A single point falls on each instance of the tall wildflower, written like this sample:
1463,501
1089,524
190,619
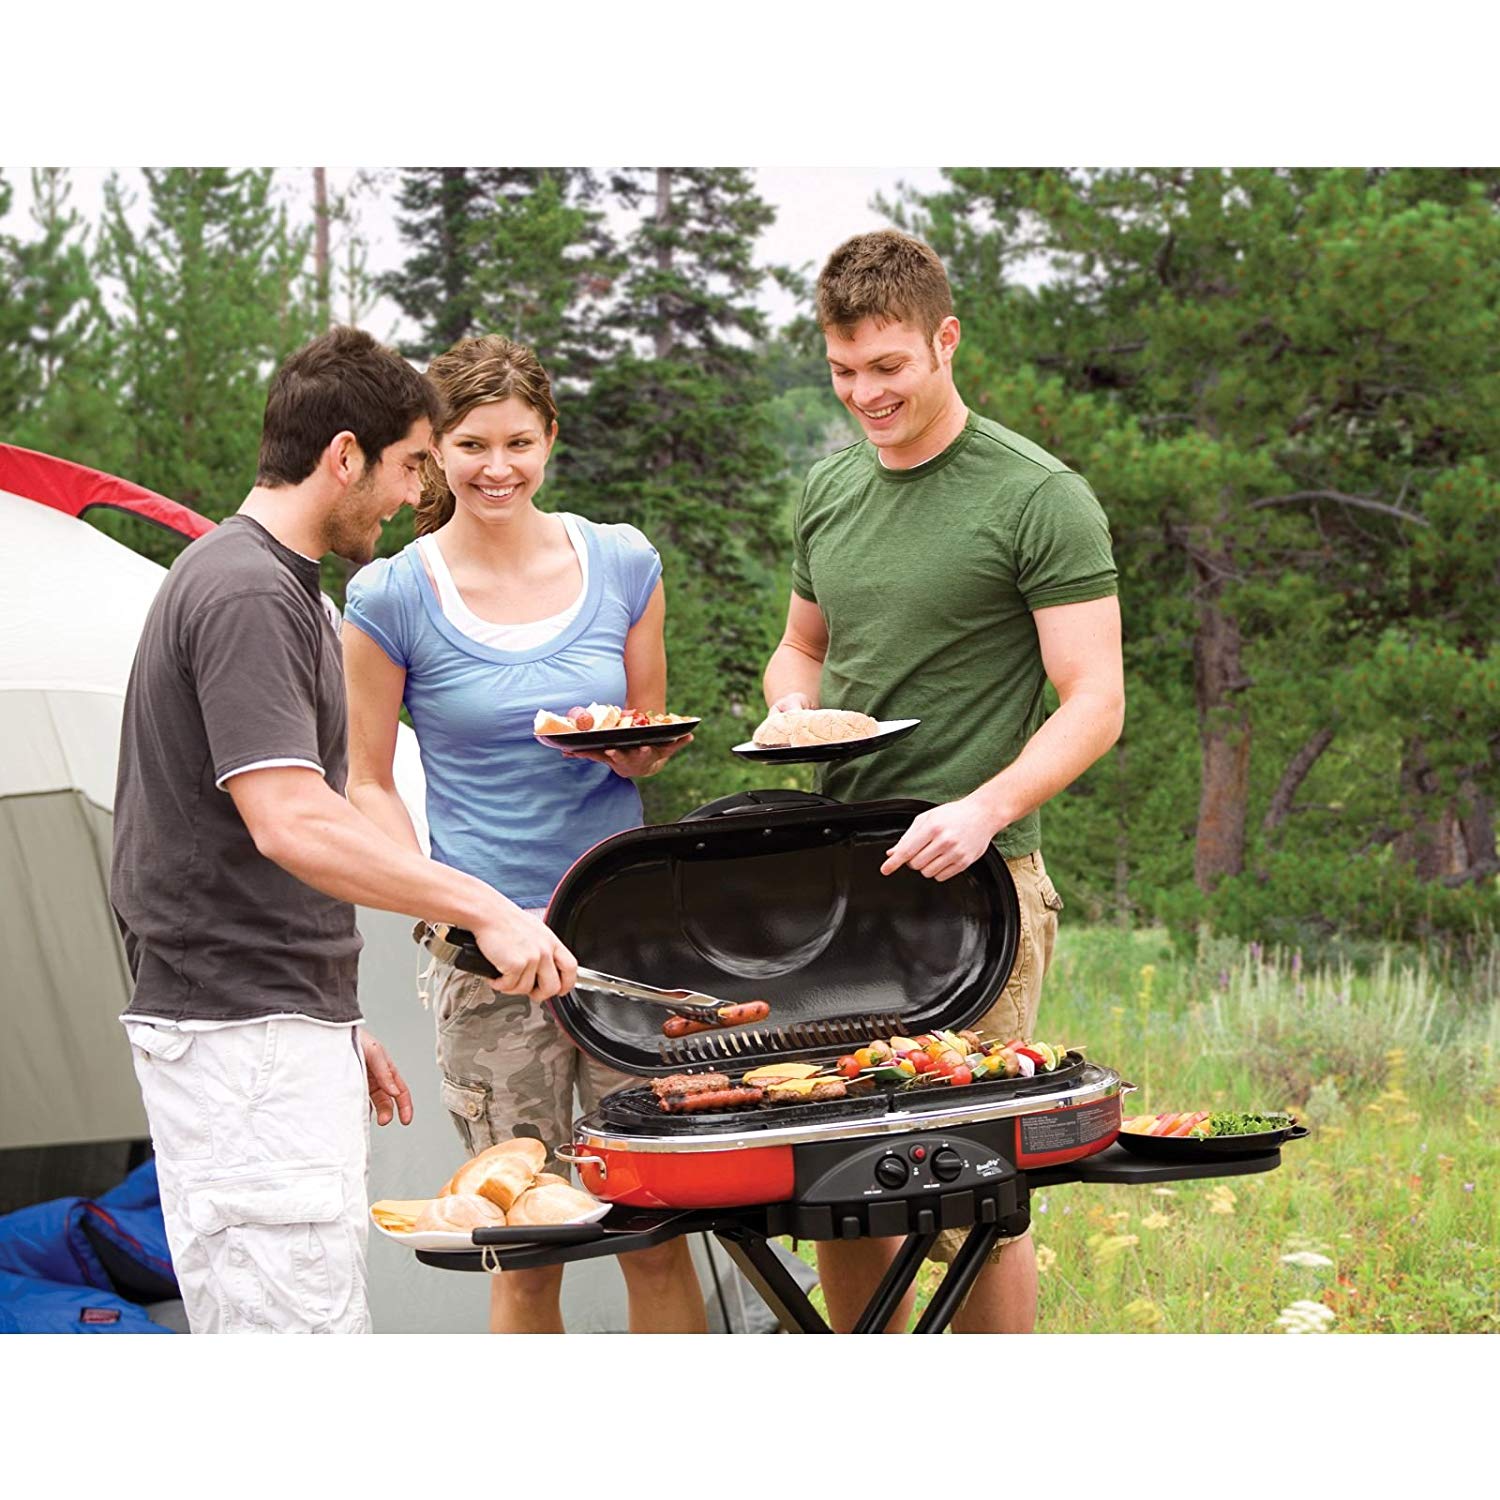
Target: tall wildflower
1306,1317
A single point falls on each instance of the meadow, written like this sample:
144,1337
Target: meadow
1383,1220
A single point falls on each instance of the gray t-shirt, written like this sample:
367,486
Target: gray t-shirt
238,665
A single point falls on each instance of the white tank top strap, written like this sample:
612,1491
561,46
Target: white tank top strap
523,637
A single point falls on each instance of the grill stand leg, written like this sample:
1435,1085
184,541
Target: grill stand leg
755,1258
961,1275
900,1275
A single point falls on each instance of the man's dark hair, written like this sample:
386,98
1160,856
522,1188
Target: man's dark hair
344,381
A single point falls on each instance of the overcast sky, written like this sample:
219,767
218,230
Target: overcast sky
816,207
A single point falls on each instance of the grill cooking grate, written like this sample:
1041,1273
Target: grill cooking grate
638,1109
740,1042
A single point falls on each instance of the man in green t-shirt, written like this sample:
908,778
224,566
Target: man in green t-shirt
945,569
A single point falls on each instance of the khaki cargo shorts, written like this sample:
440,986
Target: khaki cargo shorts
507,1067
1015,1010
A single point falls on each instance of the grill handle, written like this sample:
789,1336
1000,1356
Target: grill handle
567,1154
773,799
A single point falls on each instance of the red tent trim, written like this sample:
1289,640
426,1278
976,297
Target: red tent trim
73,489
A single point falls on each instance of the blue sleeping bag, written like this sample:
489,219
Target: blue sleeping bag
80,1266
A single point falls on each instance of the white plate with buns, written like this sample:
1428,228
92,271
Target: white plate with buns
501,1186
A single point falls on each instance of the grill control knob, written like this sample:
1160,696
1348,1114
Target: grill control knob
946,1164
891,1172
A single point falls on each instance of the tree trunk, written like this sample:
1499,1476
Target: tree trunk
322,272
1451,841
1479,830
1292,778
1431,840
453,322
664,261
1224,736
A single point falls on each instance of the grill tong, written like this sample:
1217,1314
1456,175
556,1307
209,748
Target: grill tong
457,947
692,1005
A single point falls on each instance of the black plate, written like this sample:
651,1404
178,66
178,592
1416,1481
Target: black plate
891,730
1182,1148
620,738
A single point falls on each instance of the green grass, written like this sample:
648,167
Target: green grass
1394,1067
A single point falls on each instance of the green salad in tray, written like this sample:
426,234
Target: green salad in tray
1200,1124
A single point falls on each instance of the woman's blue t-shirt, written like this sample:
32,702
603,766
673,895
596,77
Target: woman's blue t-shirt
500,804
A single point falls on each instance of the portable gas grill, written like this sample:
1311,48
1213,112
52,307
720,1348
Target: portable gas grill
778,896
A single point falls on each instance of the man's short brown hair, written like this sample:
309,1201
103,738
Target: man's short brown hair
885,275
344,381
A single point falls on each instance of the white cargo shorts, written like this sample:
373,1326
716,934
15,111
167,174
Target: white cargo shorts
262,1140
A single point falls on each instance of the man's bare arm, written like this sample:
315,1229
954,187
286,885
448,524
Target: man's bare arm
375,685
1081,653
1080,646
795,669
300,823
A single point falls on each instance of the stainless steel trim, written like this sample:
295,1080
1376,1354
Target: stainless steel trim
567,1154
949,1116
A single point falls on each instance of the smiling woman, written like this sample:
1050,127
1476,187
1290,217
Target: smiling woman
498,608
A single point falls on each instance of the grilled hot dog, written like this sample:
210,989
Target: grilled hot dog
744,1014
742,1098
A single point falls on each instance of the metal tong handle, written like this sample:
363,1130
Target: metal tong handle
690,1003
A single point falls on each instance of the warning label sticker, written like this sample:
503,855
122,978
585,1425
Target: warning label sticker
1067,1129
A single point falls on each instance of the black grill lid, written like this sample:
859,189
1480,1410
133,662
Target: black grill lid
778,896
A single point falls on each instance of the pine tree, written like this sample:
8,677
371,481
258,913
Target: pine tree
55,338
15,321
435,287
214,294
545,265
688,455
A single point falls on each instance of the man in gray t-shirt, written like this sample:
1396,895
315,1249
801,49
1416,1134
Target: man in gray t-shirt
237,863
238,669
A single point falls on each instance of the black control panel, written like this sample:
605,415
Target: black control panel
916,1183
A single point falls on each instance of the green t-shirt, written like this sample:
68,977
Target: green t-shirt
927,578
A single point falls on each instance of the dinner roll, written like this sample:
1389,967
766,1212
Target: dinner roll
509,1167
461,1211
552,1204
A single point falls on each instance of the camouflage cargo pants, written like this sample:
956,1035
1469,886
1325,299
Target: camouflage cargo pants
507,1067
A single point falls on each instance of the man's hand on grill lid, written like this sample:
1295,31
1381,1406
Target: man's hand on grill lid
531,959
944,841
